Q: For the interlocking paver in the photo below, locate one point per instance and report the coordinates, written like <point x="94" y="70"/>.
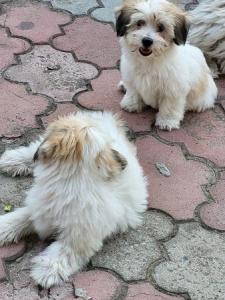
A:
<point x="24" y="287"/>
<point x="65" y="292"/>
<point x="106" y="13"/>
<point x="7" y="292"/>
<point x="9" y="253"/>
<point x="213" y="214"/>
<point x="13" y="191"/>
<point x="18" y="109"/>
<point x="196" y="263"/>
<point x="9" y="47"/>
<point x="90" y="40"/>
<point x="105" y="95"/>
<point x="144" y="291"/>
<point x="61" y="110"/>
<point x="52" y="72"/>
<point x="34" y="21"/>
<point x="97" y="284"/>
<point x="180" y="193"/>
<point x="203" y="134"/>
<point x="131" y="253"/>
<point x="78" y="7"/>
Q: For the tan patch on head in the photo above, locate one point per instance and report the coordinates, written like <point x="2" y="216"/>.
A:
<point x="110" y="163"/>
<point x="65" y="140"/>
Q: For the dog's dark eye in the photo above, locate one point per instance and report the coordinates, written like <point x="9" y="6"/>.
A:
<point x="140" y="23"/>
<point x="160" y="27"/>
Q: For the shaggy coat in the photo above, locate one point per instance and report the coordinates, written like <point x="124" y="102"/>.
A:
<point x="88" y="184"/>
<point x="158" y="68"/>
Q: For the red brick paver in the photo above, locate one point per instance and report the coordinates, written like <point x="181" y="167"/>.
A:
<point x="105" y="95"/>
<point x="180" y="193"/>
<point x="34" y="21"/>
<point x="18" y="109"/>
<point x="10" y="46"/>
<point x="213" y="214"/>
<point x="90" y="40"/>
<point x="203" y="134"/>
<point x="8" y="253"/>
<point x="99" y="285"/>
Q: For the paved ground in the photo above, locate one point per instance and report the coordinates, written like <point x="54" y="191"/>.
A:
<point x="59" y="56"/>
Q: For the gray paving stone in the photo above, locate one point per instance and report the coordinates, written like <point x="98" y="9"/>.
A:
<point x="131" y="253"/>
<point x="106" y="13"/>
<point x="196" y="264"/>
<point x="13" y="190"/>
<point x="52" y="72"/>
<point x="76" y="7"/>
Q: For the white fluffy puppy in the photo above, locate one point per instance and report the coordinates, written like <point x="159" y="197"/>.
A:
<point x="157" y="67"/>
<point x="88" y="185"/>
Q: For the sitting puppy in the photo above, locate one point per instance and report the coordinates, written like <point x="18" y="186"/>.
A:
<point x="88" y="185"/>
<point x="157" y="67"/>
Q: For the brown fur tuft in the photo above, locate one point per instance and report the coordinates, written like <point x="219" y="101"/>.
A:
<point x="110" y="162"/>
<point x="65" y="141"/>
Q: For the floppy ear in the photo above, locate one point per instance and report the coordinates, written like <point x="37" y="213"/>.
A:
<point x="110" y="163"/>
<point x="122" y="20"/>
<point x="181" y="29"/>
<point x="60" y="145"/>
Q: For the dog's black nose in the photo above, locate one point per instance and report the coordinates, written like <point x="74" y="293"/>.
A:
<point x="147" y="42"/>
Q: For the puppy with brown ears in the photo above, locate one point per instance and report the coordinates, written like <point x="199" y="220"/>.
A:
<point x="158" y="68"/>
<point x="88" y="185"/>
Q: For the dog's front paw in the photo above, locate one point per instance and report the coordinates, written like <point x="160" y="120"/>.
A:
<point x="131" y="104"/>
<point x="166" y="123"/>
<point x="47" y="272"/>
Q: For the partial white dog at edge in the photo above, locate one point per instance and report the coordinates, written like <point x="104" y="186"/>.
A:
<point x="207" y="32"/>
<point x="88" y="184"/>
<point x="158" y="68"/>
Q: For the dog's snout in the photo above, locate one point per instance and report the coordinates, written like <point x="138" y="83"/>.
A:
<point x="147" y="41"/>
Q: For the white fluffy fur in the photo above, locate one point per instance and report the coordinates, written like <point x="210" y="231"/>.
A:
<point x="173" y="78"/>
<point x="207" y="32"/>
<point x="75" y="200"/>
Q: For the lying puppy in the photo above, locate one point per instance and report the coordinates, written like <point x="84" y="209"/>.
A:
<point x="88" y="184"/>
<point x="157" y="67"/>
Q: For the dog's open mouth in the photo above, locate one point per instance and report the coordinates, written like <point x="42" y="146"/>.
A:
<point x="145" y="51"/>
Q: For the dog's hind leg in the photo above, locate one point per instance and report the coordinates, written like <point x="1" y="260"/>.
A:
<point x="15" y="225"/>
<point x="19" y="161"/>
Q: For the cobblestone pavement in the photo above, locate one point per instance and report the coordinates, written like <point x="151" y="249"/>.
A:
<point x="59" y="56"/>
